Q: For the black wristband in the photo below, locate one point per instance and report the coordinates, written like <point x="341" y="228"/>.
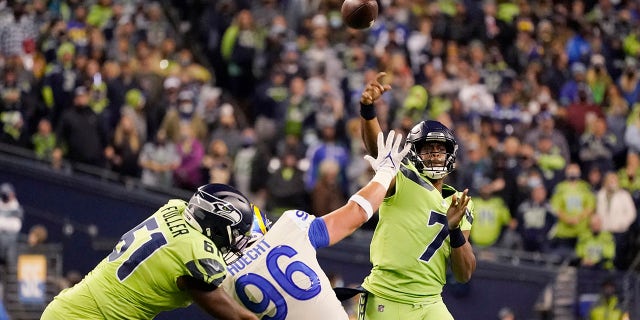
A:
<point x="367" y="111"/>
<point x="456" y="238"/>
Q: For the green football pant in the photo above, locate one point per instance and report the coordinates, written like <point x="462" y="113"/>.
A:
<point x="372" y="307"/>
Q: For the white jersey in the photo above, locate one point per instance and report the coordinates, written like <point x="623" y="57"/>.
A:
<point x="279" y="275"/>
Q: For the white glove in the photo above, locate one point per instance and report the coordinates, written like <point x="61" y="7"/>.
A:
<point x="387" y="164"/>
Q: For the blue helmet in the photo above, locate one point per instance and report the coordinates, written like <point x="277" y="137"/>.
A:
<point x="261" y="224"/>
<point x="222" y="214"/>
<point x="432" y="131"/>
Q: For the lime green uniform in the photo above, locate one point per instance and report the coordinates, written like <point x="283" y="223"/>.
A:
<point x="138" y="279"/>
<point x="572" y="199"/>
<point x="491" y="216"/>
<point x="410" y="249"/>
<point x="598" y="248"/>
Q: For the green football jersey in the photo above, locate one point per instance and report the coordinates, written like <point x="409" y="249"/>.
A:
<point x="492" y="215"/>
<point x="572" y="199"/>
<point x="138" y="279"/>
<point x="410" y="249"/>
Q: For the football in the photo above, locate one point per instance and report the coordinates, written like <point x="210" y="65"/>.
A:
<point x="359" y="14"/>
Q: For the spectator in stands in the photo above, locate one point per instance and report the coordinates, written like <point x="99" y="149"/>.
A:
<point x="14" y="108"/>
<point x="123" y="151"/>
<point x="328" y="148"/>
<point x="491" y="218"/>
<point x="135" y="108"/>
<point x="37" y="235"/>
<point x="573" y="202"/>
<point x="44" y="140"/>
<point x="158" y="159"/>
<point x="80" y="133"/>
<point x="597" y="78"/>
<point x="550" y="160"/>
<point x="324" y="197"/>
<point x="629" y="176"/>
<point x="608" y="305"/>
<point x="632" y="133"/>
<point x="596" y="248"/>
<point x="476" y="164"/>
<point x="228" y="129"/>
<point x="18" y="34"/>
<point x="598" y="146"/>
<point x="188" y="174"/>
<point x="581" y="112"/>
<point x="617" y="212"/>
<point x="11" y="216"/>
<point x="285" y="186"/>
<point x="239" y="48"/>
<point x="184" y="113"/>
<point x="546" y="126"/>
<point x="60" y="82"/>
<point x="217" y="162"/>
<point x="535" y="218"/>
<point x="629" y="81"/>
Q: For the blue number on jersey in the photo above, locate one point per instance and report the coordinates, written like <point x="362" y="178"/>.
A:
<point x="283" y="279"/>
<point x="156" y="241"/>
<point x="436" y="243"/>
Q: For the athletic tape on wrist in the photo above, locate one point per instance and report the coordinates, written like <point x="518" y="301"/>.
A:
<point x="456" y="238"/>
<point x="367" y="111"/>
<point x="384" y="177"/>
<point x="363" y="203"/>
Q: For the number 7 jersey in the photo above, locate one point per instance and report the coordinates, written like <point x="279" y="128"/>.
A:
<point x="279" y="277"/>
<point x="138" y="279"/>
<point x="410" y="249"/>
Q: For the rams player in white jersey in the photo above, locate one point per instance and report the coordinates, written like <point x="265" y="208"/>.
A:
<point x="278" y="276"/>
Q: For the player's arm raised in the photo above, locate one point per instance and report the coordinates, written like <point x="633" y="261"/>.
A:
<point x="368" y="119"/>
<point x="344" y="221"/>
<point x="214" y="300"/>
<point x="369" y="125"/>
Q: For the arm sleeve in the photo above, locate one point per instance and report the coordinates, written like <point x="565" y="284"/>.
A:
<point x="318" y="234"/>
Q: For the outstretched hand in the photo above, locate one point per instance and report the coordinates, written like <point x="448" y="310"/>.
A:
<point x="374" y="90"/>
<point x="389" y="153"/>
<point x="457" y="209"/>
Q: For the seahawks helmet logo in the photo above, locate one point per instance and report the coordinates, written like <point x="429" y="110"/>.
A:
<point x="219" y="207"/>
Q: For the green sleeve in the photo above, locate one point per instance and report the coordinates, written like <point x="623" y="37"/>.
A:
<point x="590" y="199"/>
<point x="47" y="96"/>
<point x="556" y="199"/>
<point x="609" y="248"/>
<point x="228" y="41"/>
<point x="580" y="246"/>
<point x="504" y="212"/>
<point x="552" y="161"/>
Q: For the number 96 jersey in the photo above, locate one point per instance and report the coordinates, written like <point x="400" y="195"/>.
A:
<point x="279" y="275"/>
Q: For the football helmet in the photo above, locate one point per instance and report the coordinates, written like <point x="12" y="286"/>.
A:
<point x="222" y="214"/>
<point x="261" y="224"/>
<point x="432" y="131"/>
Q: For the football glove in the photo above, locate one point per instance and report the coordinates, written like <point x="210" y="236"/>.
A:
<point x="387" y="163"/>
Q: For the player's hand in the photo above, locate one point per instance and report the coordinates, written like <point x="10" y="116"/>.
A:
<point x="457" y="209"/>
<point x="374" y="90"/>
<point x="389" y="153"/>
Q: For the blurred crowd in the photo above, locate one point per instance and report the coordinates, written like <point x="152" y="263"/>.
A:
<point x="543" y="96"/>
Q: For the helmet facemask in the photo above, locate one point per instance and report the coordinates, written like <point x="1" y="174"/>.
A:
<point x="425" y="165"/>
